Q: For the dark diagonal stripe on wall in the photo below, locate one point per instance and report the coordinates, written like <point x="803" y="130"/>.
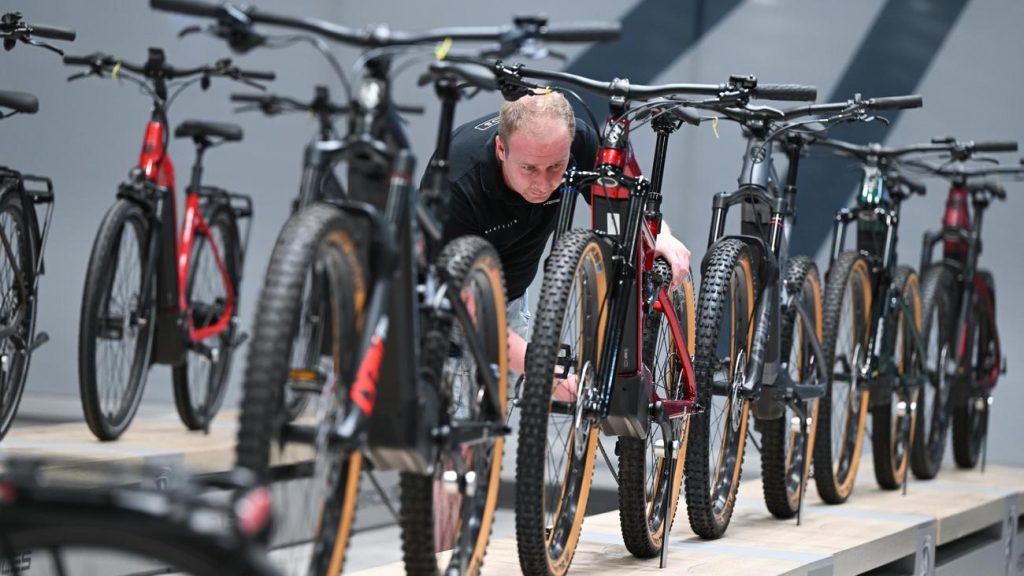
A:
<point x="891" y="60"/>
<point x="654" y="34"/>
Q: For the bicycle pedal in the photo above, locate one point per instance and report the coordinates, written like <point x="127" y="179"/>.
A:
<point x="305" y="380"/>
<point x="673" y="408"/>
<point x="37" y="342"/>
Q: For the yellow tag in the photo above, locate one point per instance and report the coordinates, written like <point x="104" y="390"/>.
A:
<point x="117" y="68"/>
<point x="442" y="49"/>
<point x="714" y="126"/>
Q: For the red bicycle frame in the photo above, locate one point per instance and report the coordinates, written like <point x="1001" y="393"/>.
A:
<point x="159" y="169"/>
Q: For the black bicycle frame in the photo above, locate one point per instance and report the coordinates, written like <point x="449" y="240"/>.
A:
<point x="887" y="303"/>
<point x="406" y="426"/>
<point x="759" y="194"/>
<point x="624" y="414"/>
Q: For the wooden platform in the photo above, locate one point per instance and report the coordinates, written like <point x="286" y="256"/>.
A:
<point x="961" y="523"/>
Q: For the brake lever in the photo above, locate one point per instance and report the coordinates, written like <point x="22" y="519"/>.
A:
<point x="189" y="30"/>
<point x="252" y="83"/>
<point x="50" y="47"/>
<point x="988" y="159"/>
<point x="79" y="76"/>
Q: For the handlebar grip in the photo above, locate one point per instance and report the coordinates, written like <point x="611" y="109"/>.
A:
<point x="252" y="98"/>
<point x="257" y="74"/>
<point x="789" y="92"/>
<point x="996" y="146"/>
<point x="896" y="102"/>
<point x="190" y="7"/>
<point x="483" y="82"/>
<point x="583" y="32"/>
<point x="80" y="60"/>
<point x="53" y="32"/>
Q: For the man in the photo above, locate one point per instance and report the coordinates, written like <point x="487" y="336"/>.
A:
<point x="505" y="175"/>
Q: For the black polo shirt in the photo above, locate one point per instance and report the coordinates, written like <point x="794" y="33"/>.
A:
<point x="483" y="205"/>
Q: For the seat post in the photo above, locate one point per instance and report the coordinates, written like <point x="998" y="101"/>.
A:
<point x="197" y="167"/>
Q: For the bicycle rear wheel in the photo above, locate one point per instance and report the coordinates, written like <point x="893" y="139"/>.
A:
<point x="17" y="305"/>
<point x="714" y="457"/>
<point x="446" y="511"/>
<point x="786" y="451"/>
<point x="201" y="381"/>
<point x="971" y="411"/>
<point x="643" y="465"/>
<point x="316" y="529"/>
<point x="115" y="337"/>
<point x="894" y="415"/>
<point x="842" y="411"/>
<point x="555" y="456"/>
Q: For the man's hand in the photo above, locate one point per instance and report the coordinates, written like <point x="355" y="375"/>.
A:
<point x="677" y="254"/>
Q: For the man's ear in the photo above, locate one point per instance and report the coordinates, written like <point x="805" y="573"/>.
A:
<point x="499" y="148"/>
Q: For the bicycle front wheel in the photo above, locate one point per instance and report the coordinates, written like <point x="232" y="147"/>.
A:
<point x="939" y="335"/>
<point x="714" y="457"/>
<point x="454" y="509"/>
<point x="115" y="336"/>
<point x="842" y="411"/>
<point x="894" y="414"/>
<point x="17" y="305"/>
<point x="315" y="245"/>
<point x="200" y="382"/>
<point x="787" y="443"/>
<point x="555" y="456"/>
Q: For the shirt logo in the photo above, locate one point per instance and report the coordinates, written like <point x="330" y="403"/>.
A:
<point x="499" y="227"/>
<point x="487" y="125"/>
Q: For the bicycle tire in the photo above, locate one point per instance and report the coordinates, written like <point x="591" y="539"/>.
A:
<point x="971" y="411"/>
<point x="727" y="293"/>
<point x="200" y="382"/>
<point x="432" y="519"/>
<point x="317" y="237"/>
<point x="643" y="473"/>
<point x="14" y="350"/>
<point x="104" y="265"/>
<point x="546" y="539"/>
<point x="842" y="411"/>
<point x="939" y="317"/>
<point x="786" y="454"/>
<point x="894" y="415"/>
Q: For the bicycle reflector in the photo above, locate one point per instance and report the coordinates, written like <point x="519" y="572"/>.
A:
<point x="253" y="511"/>
<point x="7" y="492"/>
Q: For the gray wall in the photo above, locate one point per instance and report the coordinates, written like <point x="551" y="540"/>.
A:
<point x="87" y="134"/>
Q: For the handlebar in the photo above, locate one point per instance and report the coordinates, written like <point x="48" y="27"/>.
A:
<point x="155" y="67"/>
<point x="375" y="37"/>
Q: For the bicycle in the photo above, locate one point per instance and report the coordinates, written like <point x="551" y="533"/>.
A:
<point x="759" y="345"/>
<point x="72" y="518"/>
<point x="638" y="391"/>
<point x="888" y="371"/>
<point x="962" y="297"/>
<point x="446" y="432"/>
<point x="21" y="235"/>
<point x="152" y="296"/>
<point x="318" y="182"/>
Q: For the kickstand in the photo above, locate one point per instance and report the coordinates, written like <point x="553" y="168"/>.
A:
<point x="671" y="452"/>
<point x="803" y="470"/>
<point x="984" y="438"/>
